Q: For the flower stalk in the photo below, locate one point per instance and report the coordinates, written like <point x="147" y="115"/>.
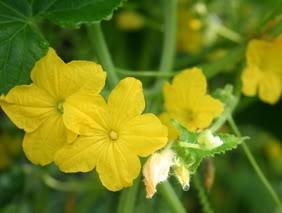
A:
<point x="169" y="42"/>
<point x="98" y="41"/>
<point x="171" y="197"/>
<point x="255" y="164"/>
<point x="202" y="195"/>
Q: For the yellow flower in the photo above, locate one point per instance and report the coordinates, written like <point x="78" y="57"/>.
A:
<point x="156" y="170"/>
<point x="40" y="108"/>
<point x="263" y="73"/>
<point x="129" y="20"/>
<point x="187" y="102"/>
<point x="189" y="34"/>
<point x="112" y="136"/>
<point x="274" y="149"/>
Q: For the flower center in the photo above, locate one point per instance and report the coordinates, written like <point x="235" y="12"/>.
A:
<point x="190" y="115"/>
<point x="60" y="107"/>
<point x="113" y="135"/>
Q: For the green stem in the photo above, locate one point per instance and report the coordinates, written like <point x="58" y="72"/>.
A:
<point x="255" y="165"/>
<point x="225" y="115"/>
<point x="169" y="43"/>
<point x="202" y="194"/>
<point x="63" y="186"/>
<point x="147" y="73"/>
<point x="98" y="41"/>
<point x="128" y="198"/>
<point x="171" y="197"/>
<point x="229" y="34"/>
<point x="148" y="50"/>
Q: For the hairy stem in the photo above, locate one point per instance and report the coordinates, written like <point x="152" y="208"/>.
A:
<point x="171" y="198"/>
<point x="128" y="198"/>
<point x="202" y="194"/>
<point x="255" y="165"/>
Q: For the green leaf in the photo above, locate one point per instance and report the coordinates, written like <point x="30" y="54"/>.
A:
<point x="185" y="135"/>
<point x="192" y="157"/>
<point x="229" y="142"/>
<point x="20" y="45"/>
<point x="73" y="13"/>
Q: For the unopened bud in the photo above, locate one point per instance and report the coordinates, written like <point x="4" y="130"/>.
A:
<point x="183" y="175"/>
<point x="208" y="141"/>
<point x="156" y="170"/>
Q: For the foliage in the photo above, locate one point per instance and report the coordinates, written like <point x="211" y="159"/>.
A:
<point x="235" y="44"/>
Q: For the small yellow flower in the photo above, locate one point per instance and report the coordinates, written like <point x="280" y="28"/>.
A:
<point x="187" y="102"/>
<point x="129" y="20"/>
<point x="156" y="170"/>
<point x="40" y="108"/>
<point x="263" y="73"/>
<point x="274" y="149"/>
<point x="189" y="34"/>
<point x="112" y="136"/>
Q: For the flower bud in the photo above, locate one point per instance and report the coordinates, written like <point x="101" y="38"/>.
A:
<point x="156" y="170"/>
<point x="183" y="175"/>
<point x="207" y="140"/>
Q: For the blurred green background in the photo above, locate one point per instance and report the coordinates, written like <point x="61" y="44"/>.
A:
<point x="211" y="34"/>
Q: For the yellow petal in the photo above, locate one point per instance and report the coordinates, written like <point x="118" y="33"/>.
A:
<point x="117" y="167"/>
<point x="256" y="51"/>
<point x="89" y="75"/>
<point x="200" y="115"/>
<point x="266" y="55"/>
<point x="81" y="155"/>
<point x="277" y="55"/>
<point x="28" y="106"/>
<point x="126" y="100"/>
<point x="250" y="79"/>
<point x="41" y="145"/>
<point x="187" y="118"/>
<point x="165" y="119"/>
<point x="45" y="72"/>
<point x="144" y="134"/>
<point x="84" y="112"/>
<point x="270" y="88"/>
<point x="207" y="108"/>
<point x="61" y="80"/>
<point x="173" y="98"/>
<point x="186" y="86"/>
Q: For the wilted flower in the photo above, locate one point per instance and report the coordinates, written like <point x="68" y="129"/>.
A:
<point x="156" y="170"/>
